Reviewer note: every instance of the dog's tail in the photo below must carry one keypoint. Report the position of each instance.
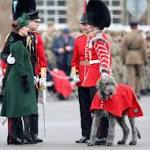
(138, 133)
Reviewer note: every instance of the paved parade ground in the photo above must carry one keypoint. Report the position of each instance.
(63, 128)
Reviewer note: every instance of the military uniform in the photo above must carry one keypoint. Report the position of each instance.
(87, 62)
(118, 69)
(39, 61)
(48, 39)
(147, 70)
(134, 57)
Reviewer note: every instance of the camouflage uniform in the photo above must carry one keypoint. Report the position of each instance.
(134, 57)
(48, 39)
(118, 68)
(147, 70)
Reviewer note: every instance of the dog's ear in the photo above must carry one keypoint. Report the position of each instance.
(112, 79)
(101, 88)
(100, 85)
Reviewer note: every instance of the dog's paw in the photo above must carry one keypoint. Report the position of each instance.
(133, 143)
(121, 142)
(90, 143)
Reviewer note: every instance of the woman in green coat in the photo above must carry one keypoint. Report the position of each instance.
(19, 99)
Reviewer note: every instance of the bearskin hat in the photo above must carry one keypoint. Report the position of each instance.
(22, 6)
(98, 14)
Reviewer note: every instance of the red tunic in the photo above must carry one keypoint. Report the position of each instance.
(90, 73)
(4, 66)
(124, 99)
(40, 53)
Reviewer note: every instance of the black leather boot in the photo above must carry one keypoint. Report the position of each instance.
(27, 136)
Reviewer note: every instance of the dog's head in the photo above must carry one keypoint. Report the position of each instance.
(106, 87)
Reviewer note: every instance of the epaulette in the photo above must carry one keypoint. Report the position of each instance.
(78, 36)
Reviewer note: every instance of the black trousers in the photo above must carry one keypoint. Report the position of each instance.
(34, 125)
(85, 98)
(15, 128)
(86, 95)
(34, 120)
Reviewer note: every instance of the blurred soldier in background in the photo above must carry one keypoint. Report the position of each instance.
(147, 68)
(62, 47)
(118, 69)
(48, 37)
(134, 56)
(39, 63)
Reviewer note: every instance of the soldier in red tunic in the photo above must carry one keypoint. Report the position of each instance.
(91, 60)
(39, 62)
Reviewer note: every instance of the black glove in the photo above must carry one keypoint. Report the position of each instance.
(25, 83)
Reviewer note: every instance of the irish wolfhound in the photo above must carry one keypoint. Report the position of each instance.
(115, 101)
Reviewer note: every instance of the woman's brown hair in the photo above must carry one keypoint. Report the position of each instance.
(15, 26)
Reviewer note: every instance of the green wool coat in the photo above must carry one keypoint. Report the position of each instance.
(17, 102)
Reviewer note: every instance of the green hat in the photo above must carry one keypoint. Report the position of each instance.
(23, 20)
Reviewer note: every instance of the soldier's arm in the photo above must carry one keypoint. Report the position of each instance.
(123, 51)
(144, 47)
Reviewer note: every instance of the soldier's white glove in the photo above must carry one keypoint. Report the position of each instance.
(43, 82)
(75, 78)
(36, 80)
(10, 59)
(74, 75)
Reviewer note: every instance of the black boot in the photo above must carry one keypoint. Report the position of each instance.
(15, 141)
(27, 136)
(34, 128)
(12, 136)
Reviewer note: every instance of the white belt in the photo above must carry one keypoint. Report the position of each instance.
(86, 62)
(93, 62)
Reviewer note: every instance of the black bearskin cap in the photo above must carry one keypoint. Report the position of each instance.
(22, 6)
(98, 14)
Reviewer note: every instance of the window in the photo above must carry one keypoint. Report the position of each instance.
(51, 19)
(62, 12)
(62, 20)
(116, 12)
(116, 3)
(50, 3)
(116, 20)
(51, 12)
(61, 3)
(39, 2)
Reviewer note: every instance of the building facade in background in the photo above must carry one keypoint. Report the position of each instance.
(67, 11)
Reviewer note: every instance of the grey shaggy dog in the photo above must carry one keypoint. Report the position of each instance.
(106, 88)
